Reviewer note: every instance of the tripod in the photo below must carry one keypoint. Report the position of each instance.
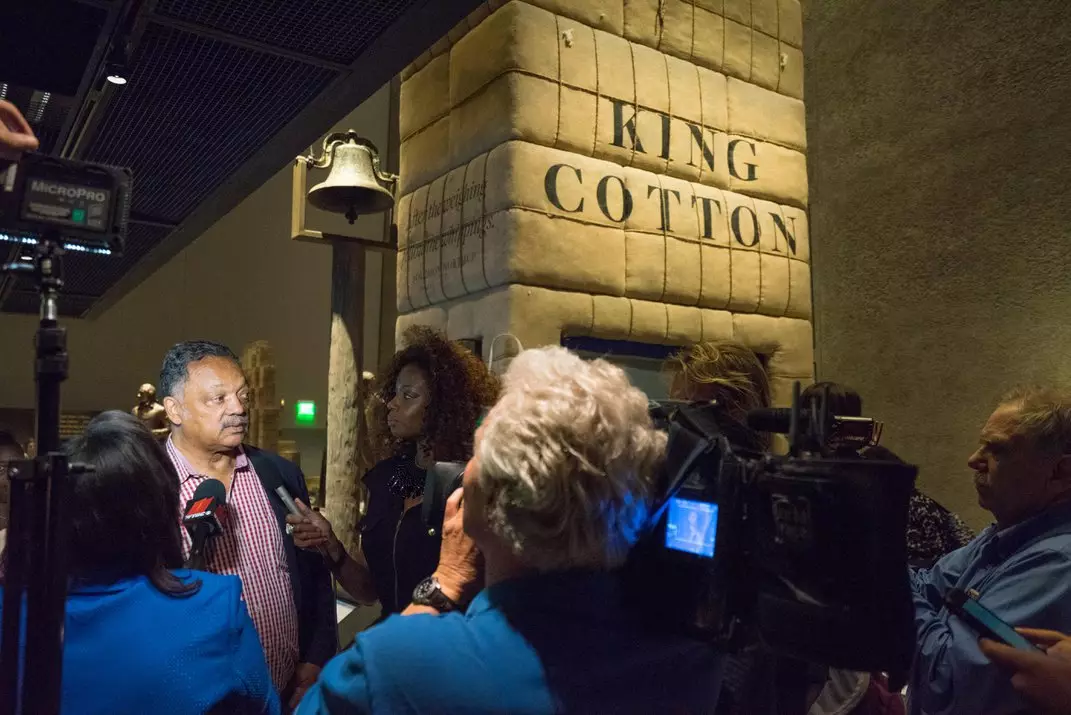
(36, 565)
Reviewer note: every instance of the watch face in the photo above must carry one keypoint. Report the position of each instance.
(429, 593)
(423, 590)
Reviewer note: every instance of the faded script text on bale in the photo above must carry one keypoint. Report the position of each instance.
(455, 200)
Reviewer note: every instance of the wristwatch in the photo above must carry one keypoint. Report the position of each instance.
(429, 593)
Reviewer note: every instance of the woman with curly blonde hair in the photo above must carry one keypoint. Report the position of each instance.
(424, 410)
(728, 374)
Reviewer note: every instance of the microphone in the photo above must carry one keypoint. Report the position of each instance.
(838, 431)
(288, 502)
(201, 519)
(773, 419)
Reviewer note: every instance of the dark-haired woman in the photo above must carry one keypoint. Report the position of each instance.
(428, 401)
(143, 635)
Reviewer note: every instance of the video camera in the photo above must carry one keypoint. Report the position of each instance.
(441, 480)
(803, 553)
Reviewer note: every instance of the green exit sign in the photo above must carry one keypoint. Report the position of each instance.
(305, 412)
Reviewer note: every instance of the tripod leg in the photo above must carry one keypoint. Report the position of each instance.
(47, 585)
(16, 558)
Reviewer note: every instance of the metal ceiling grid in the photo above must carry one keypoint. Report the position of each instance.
(336, 30)
(48, 43)
(194, 110)
(216, 91)
(89, 274)
(86, 276)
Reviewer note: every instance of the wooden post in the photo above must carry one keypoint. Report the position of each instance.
(348, 455)
(388, 296)
(344, 404)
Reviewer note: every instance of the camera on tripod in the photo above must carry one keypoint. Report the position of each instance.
(803, 553)
(54, 205)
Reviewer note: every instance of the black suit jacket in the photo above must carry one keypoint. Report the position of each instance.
(309, 576)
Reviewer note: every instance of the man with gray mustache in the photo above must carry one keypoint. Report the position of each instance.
(287, 590)
(1020, 567)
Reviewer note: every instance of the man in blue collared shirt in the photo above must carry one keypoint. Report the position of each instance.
(554, 498)
(1020, 566)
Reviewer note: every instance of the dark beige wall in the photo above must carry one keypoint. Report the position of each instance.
(940, 166)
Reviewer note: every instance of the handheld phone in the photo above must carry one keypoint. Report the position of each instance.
(984, 621)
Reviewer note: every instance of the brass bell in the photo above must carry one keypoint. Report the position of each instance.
(356, 184)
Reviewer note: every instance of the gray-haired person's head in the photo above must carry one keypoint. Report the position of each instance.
(1022, 465)
(564, 463)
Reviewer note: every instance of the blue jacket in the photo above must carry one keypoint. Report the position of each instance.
(1023, 575)
(554, 643)
(130, 650)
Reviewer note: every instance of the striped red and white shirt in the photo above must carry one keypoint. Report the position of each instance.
(250, 547)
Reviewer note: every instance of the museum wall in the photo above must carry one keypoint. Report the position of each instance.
(242, 280)
(939, 149)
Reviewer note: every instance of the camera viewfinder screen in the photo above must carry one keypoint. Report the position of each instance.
(691, 526)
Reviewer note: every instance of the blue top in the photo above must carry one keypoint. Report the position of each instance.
(130, 649)
(544, 644)
(1023, 575)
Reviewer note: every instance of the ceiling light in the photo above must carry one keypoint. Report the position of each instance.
(115, 69)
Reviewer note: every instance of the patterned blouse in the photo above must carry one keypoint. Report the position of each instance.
(932, 531)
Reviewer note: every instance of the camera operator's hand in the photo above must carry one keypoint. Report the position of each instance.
(312, 530)
(1044, 678)
(460, 570)
(16, 136)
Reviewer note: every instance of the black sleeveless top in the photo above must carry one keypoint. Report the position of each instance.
(398, 549)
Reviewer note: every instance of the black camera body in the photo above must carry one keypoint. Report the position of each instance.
(440, 481)
(86, 205)
(804, 553)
